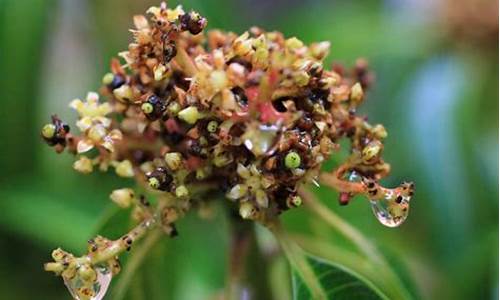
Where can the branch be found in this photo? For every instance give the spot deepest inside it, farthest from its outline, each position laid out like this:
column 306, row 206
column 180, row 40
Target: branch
column 134, row 262
column 108, row 250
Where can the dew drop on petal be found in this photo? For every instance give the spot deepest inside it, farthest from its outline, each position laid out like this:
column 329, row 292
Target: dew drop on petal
column 95, row 290
column 389, row 212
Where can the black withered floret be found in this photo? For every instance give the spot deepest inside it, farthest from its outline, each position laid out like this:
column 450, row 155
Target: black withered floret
column 55, row 133
column 192, row 22
column 169, row 51
column 160, row 179
column 154, row 107
column 240, row 96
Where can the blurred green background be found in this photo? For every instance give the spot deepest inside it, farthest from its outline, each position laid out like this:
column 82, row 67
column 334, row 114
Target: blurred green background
column 436, row 91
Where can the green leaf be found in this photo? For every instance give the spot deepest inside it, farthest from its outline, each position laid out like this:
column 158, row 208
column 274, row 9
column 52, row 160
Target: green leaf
column 337, row 282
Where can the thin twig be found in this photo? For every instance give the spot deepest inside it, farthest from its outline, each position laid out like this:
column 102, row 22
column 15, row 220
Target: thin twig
column 241, row 238
column 134, row 262
column 113, row 249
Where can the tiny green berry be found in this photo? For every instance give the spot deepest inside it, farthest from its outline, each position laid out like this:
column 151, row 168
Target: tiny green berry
column 296, row 200
column 247, row 210
column 147, row 108
column 201, row 174
column 108, row 78
column 154, row 183
column 292, row 160
column 212, row 126
column 173, row 160
column 174, row 108
column 48, row 131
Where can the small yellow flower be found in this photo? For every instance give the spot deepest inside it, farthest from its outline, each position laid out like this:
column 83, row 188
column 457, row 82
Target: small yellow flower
column 91, row 107
column 94, row 124
column 254, row 186
column 83, row 165
column 122, row 197
column 124, row 168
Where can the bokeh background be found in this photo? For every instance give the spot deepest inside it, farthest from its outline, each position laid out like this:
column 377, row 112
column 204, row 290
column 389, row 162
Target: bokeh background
column 436, row 91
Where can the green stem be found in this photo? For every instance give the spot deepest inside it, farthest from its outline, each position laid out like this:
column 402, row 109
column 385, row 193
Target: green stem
column 134, row 262
column 248, row 269
column 241, row 238
column 297, row 259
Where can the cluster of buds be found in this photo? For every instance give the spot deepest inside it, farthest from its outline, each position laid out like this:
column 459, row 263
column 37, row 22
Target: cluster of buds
column 88, row 277
column 253, row 116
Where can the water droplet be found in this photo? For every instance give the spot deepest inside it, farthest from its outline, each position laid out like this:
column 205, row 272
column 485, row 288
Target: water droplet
column 260, row 139
column 93, row 289
column 391, row 211
column 353, row 176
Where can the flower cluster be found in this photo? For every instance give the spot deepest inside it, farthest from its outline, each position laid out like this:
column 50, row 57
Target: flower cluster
column 253, row 116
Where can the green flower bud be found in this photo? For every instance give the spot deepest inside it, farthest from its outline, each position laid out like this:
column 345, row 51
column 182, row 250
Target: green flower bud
column 154, row 183
column 181, row 191
column 357, row 93
column 48, row 131
column 147, row 108
column 294, row 201
column 173, row 160
column 174, row 108
column 122, row 197
column 108, row 78
column 292, row 160
column 379, row 131
column 124, row 169
column 212, row 126
column 190, row 115
column 247, row 210
column 294, row 43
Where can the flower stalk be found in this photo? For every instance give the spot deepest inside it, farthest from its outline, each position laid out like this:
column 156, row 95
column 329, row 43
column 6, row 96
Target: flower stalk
column 252, row 117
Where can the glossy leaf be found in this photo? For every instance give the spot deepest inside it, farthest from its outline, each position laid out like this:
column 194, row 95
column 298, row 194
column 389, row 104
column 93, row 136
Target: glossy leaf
column 336, row 281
